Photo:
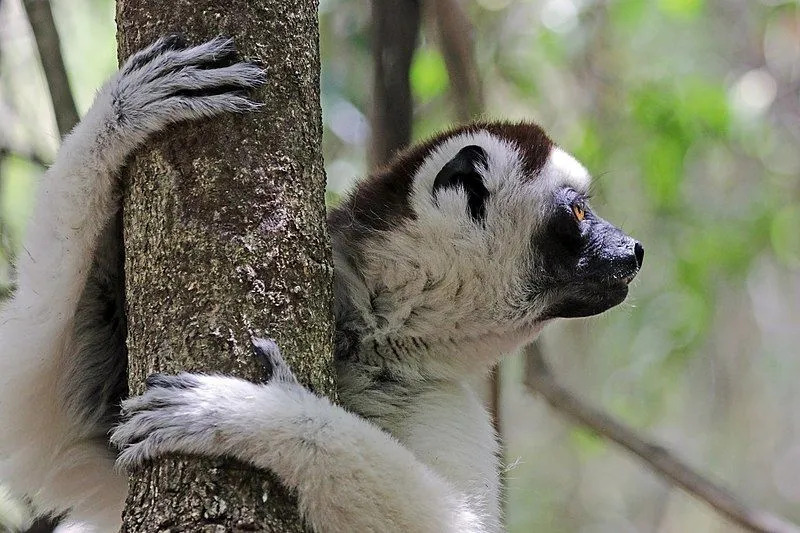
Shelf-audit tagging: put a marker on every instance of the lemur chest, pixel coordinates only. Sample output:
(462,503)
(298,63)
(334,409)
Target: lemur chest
(449,430)
(443,423)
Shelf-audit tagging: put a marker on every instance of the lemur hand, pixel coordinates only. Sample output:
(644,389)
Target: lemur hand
(200,414)
(168,82)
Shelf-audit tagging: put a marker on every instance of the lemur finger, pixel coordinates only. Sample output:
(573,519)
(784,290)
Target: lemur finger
(134,456)
(133,429)
(156,397)
(191,81)
(210,53)
(217,52)
(269,355)
(137,446)
(183,380)
(155,419)
(131,458)
(178,108)
(156,48)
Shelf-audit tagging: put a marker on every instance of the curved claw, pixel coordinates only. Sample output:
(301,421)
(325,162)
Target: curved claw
(269,355)
(181,381)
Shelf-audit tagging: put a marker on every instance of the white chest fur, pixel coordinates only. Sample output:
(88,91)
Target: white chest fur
(449,430)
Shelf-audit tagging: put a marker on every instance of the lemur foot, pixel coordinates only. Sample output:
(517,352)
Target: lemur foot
(197,413)
(168,82)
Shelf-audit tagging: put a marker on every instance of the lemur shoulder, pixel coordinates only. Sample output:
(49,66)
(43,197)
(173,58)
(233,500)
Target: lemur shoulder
(458,251)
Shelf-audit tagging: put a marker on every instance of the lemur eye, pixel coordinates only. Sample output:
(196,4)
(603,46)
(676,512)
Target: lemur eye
(579,211)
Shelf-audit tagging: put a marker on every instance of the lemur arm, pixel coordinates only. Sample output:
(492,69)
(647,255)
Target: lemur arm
(53,344)
(349,475)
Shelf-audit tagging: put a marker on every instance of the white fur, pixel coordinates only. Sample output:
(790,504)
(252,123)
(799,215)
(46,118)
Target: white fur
(349,475)
(563,170)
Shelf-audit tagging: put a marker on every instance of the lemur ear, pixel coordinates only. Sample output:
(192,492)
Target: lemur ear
(462,171)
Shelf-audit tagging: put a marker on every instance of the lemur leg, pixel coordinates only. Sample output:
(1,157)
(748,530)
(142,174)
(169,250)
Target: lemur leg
(60,350)
(349,475)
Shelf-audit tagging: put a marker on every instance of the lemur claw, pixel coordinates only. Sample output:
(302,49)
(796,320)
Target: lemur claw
(269,355)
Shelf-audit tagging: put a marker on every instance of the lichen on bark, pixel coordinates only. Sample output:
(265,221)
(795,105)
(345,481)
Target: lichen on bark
(224,225)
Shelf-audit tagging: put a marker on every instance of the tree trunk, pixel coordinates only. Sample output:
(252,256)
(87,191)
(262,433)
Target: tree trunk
(225,237)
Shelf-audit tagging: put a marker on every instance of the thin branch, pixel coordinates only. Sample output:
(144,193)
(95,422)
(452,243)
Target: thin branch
(539,379)
(395,27)
(29,155)
(40,17)
(456,41)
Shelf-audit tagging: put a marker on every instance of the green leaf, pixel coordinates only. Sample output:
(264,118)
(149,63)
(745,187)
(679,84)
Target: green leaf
(332,199)
(587,145)
(662,167)
(627,13)
(551,45)
(706,104)
(686,9)
(587,443)
(428,74)
(657,107)
(16,202)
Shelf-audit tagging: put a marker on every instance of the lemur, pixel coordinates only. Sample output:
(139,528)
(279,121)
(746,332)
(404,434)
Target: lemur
(458,251)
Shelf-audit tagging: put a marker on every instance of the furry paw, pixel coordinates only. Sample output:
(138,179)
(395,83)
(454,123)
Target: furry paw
(178,414)
(169,82)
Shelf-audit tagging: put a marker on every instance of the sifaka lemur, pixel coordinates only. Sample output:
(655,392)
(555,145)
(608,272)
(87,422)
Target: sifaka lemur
(460,250)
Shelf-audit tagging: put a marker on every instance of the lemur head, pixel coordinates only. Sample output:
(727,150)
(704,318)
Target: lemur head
(478,236)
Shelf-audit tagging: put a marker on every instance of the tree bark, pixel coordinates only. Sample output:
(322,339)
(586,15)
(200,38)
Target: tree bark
(225,237)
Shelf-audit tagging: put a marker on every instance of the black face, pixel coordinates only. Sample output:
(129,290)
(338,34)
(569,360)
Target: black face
(585,262)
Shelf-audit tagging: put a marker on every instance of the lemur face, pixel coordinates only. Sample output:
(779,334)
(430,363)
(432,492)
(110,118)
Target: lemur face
(487,229)
(584,263)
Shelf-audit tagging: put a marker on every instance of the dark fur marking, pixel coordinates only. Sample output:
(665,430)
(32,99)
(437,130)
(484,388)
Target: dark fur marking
(462,172)
(172,41)
(381,202)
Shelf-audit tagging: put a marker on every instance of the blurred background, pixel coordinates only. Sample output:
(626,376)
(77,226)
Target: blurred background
(687,112)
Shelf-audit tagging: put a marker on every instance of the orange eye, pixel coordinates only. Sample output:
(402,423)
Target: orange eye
(578,211)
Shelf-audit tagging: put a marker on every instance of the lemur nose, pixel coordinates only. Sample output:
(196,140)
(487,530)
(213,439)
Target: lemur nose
(638,250)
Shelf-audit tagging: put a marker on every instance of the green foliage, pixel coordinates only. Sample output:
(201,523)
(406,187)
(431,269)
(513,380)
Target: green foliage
(785,235)
(429,77)
(332,198)
(627,13)
(16,194)
(16,199)
(587,442)
(687,9)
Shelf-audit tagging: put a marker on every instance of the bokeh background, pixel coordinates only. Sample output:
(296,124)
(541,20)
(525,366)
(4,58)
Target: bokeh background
(688,114)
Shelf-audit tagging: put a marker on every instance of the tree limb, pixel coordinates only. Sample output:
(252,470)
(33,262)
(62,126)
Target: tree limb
(539,379)
(40,17)
(457,44)
(395,26)
(28,154)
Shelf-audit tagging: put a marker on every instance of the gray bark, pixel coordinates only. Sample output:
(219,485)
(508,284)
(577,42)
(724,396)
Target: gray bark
(225,237)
